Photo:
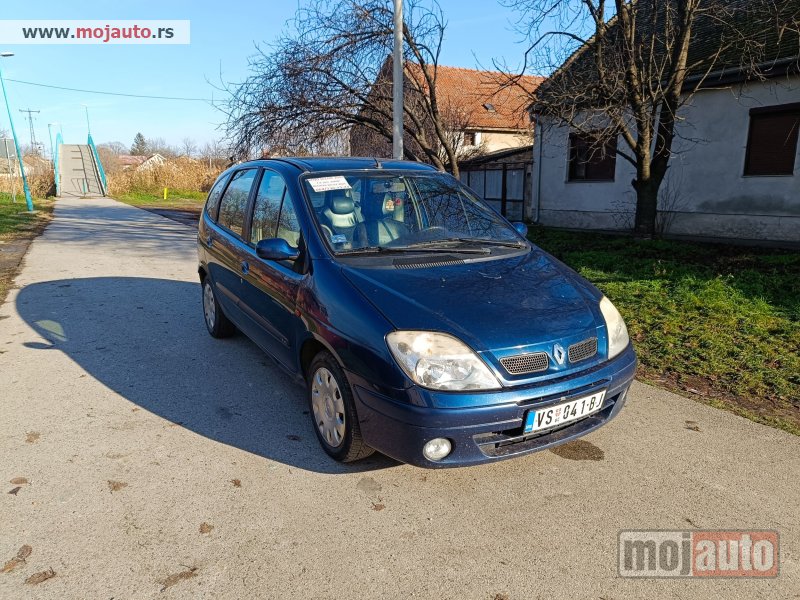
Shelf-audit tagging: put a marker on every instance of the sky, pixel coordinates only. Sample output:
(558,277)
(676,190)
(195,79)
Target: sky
(223,36)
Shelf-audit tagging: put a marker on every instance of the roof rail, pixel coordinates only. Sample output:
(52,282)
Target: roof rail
(291,161)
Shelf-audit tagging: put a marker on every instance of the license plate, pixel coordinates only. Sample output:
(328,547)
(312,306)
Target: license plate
(559,414)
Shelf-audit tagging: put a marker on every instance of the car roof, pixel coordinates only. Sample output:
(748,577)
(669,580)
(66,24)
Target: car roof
(339,163)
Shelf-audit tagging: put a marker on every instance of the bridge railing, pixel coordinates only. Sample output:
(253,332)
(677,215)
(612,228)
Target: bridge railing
(56,168)
(100,169)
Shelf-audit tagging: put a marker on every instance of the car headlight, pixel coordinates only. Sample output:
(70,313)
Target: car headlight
(439,361)
(617,332)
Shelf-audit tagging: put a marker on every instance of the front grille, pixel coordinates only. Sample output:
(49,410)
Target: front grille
(523,364)
(582,350)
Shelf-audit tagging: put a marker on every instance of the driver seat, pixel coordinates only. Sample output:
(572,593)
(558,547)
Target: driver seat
(379,226)
(339,215)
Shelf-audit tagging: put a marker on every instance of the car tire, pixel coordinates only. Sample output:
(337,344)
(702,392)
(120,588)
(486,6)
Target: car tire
(333,411)
(216,322)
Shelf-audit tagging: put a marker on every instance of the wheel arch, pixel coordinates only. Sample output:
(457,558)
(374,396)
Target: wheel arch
(310,347)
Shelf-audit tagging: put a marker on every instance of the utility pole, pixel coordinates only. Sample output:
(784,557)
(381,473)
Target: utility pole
(34,145)
(11,171)
(397,82)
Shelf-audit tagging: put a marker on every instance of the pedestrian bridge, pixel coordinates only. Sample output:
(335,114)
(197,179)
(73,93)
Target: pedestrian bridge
(78,170)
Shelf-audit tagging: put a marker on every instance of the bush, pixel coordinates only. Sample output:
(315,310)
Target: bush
(179,174)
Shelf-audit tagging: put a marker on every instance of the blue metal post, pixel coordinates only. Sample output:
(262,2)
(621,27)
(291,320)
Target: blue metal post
(28,199)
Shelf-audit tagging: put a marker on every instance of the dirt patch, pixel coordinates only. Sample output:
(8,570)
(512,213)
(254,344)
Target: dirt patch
(579,450)
(769,411)
(13,247)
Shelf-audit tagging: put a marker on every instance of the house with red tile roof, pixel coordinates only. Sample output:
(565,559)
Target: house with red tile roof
(482,113)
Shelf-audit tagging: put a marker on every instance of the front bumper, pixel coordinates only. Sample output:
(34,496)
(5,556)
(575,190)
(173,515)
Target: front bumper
(488,433)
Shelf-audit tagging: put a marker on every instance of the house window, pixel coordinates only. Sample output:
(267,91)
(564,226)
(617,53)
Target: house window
(588,162)
(469,138)
(772,140)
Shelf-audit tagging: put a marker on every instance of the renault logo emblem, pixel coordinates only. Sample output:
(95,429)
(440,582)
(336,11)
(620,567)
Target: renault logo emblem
(559,354)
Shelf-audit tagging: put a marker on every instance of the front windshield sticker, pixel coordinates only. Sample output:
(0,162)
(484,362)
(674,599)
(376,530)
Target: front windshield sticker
(324,184)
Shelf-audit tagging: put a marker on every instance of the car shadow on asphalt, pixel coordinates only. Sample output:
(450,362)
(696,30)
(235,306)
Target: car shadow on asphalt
(146,340)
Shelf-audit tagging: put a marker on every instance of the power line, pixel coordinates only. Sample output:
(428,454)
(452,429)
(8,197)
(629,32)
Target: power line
(58,87)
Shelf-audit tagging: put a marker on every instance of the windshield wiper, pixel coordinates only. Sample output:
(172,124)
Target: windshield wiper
(468,240)
(416,248)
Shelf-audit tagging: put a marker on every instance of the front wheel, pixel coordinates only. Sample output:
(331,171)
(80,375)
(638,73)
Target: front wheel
(217,323)
(333,411)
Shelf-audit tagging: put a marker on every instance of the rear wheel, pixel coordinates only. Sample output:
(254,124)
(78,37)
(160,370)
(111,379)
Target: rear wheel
(217,323)
(333,411)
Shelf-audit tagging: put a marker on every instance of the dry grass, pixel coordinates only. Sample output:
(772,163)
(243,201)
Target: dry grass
(41,186)
(178,174)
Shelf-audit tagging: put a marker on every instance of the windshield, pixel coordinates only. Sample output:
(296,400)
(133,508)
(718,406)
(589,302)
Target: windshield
(371,211)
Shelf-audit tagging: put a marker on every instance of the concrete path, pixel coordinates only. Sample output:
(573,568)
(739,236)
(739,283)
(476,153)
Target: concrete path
(157,458)
(79,176)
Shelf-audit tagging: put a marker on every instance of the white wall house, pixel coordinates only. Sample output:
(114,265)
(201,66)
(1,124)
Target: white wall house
(735,172)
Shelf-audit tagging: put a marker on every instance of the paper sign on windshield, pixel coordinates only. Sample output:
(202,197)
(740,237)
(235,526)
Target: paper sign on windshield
(324,184)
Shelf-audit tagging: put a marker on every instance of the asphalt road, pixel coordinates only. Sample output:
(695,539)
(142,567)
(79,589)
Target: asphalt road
(157,458)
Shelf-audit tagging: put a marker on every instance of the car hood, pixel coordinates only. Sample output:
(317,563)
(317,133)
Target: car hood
(503,305)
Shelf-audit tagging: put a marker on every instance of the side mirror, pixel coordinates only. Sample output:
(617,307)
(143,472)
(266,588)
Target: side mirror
(276,249)
(521,228)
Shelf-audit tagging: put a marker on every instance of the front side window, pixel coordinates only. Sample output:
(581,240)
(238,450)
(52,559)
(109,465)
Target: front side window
(288,226)
(234,202)
(403,212)
(772,140)
(267,207)
(590,159)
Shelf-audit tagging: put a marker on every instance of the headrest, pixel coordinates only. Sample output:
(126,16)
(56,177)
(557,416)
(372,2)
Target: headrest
(377,206)
(340,202)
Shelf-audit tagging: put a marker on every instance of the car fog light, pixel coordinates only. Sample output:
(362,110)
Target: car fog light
(437,449)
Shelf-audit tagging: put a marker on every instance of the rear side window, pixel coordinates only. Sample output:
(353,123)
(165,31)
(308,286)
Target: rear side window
(212,204)
(233,207)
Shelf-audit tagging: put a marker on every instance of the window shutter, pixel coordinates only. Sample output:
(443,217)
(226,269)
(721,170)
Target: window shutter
(772,143)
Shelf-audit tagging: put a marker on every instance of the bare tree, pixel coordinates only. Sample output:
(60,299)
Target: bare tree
(188,147)
(622,70)
(308,89)
(160,146)
(115,148)
(215,153)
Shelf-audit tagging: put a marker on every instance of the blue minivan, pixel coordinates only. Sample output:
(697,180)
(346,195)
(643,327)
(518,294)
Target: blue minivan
(423,324)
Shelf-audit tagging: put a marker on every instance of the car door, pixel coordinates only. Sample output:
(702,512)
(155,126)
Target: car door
(229,248)
(272,286)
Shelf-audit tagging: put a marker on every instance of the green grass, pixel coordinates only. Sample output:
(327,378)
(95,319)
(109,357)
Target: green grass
(718,323)
(16,224)
(175,199)
(14,217)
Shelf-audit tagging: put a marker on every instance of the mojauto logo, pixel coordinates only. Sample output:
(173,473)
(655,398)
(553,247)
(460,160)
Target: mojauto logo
(709,553)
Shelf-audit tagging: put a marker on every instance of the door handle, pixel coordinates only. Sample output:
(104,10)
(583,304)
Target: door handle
(245,267)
